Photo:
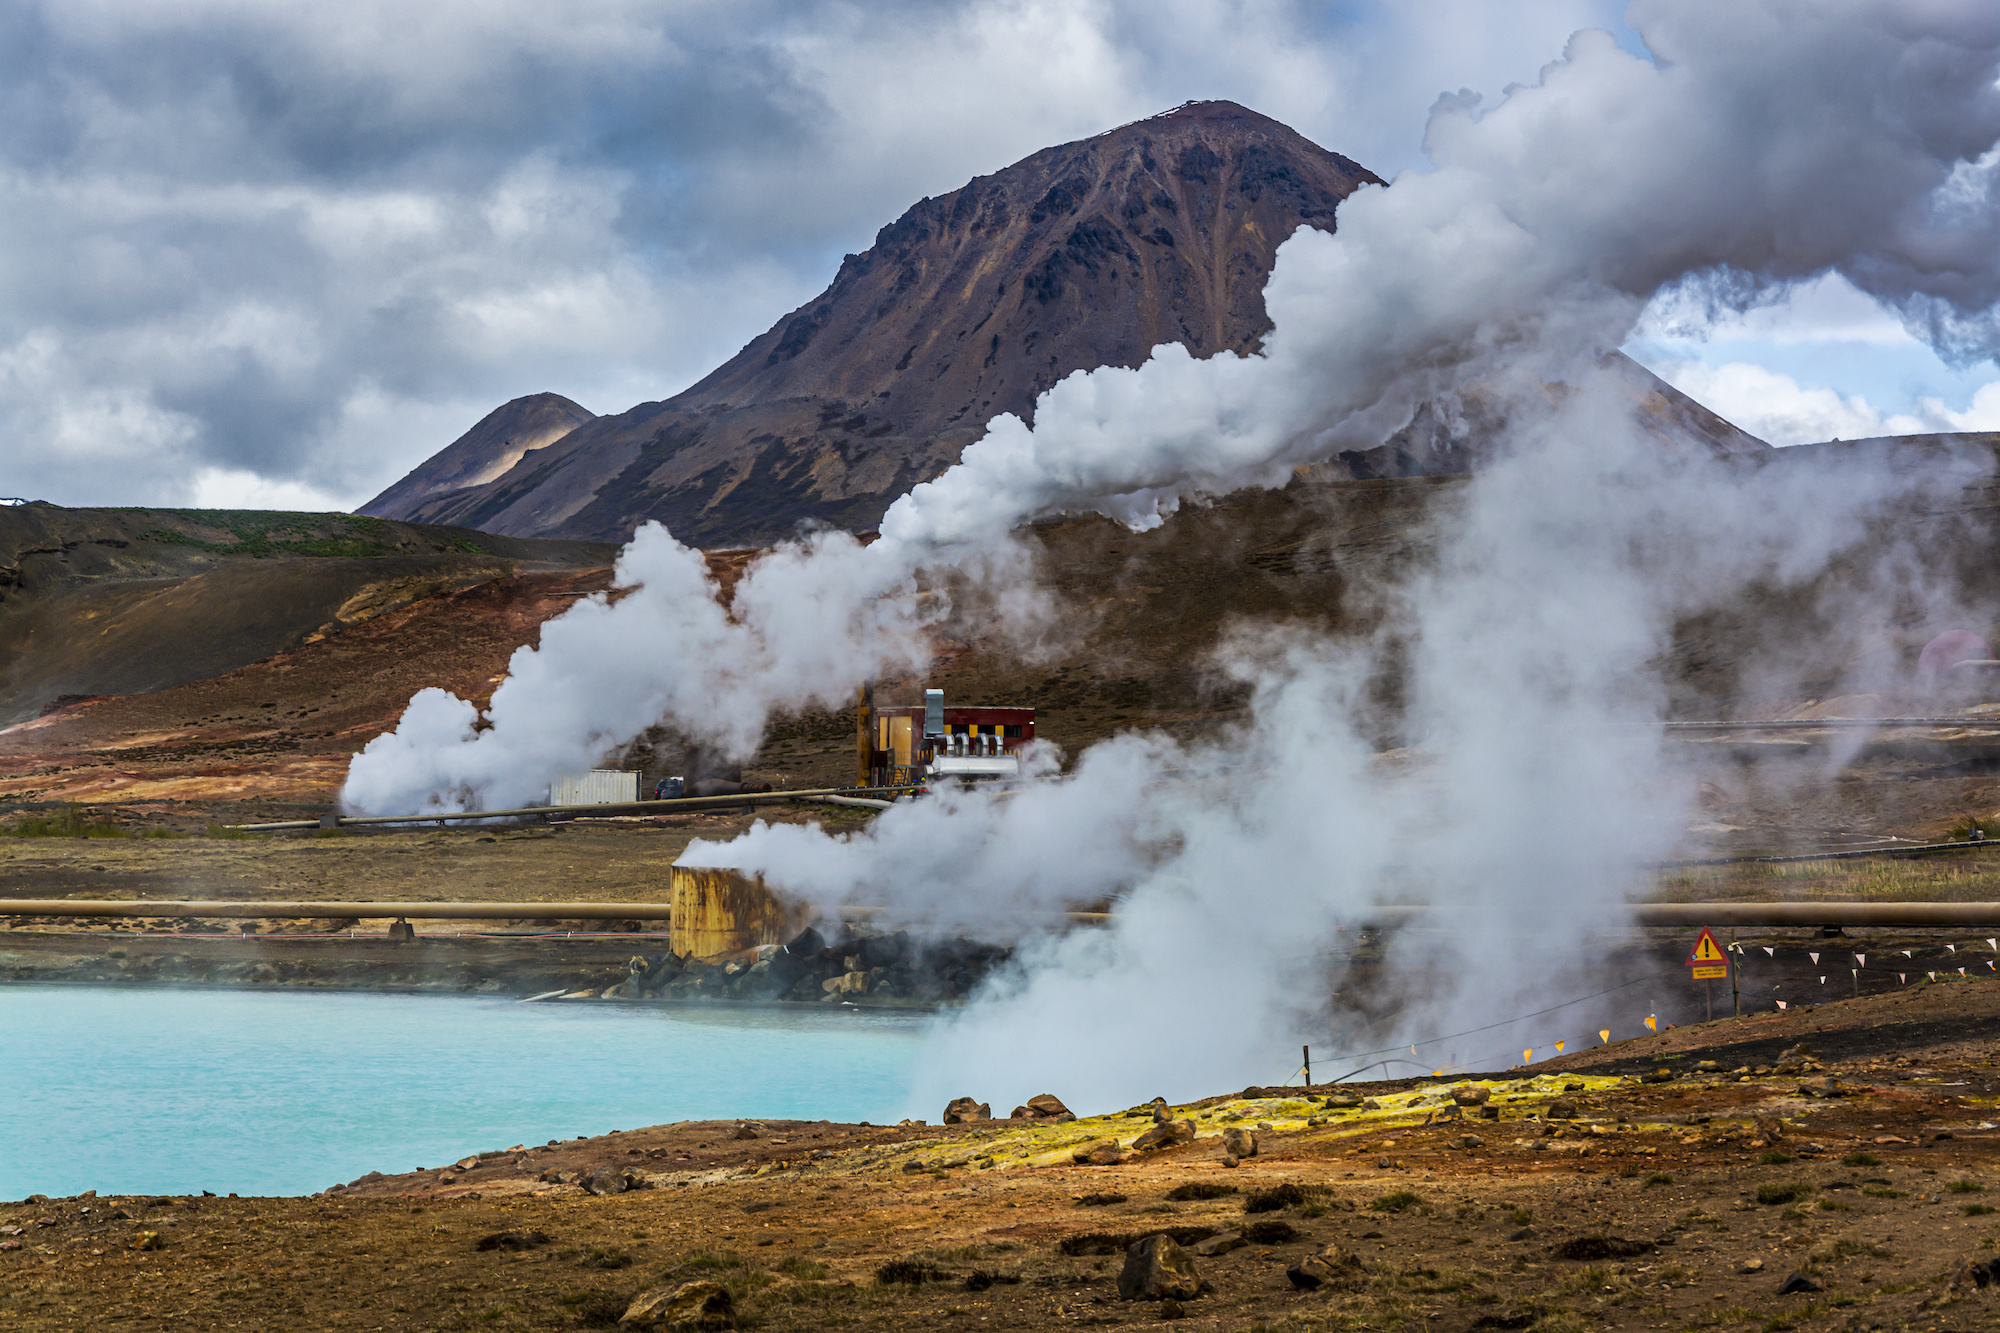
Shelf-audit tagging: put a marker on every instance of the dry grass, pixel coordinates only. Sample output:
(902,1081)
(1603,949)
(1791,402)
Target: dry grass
(1950,878)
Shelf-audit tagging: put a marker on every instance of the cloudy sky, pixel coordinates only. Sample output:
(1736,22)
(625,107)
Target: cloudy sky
(277,254)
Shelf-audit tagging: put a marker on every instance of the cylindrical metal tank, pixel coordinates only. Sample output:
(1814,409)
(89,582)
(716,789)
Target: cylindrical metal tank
(724,911)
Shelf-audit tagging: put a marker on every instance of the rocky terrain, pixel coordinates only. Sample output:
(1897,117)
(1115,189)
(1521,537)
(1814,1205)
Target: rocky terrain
(98,602)
(1820,1169)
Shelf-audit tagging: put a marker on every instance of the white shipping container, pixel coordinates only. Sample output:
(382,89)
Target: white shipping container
(600,786)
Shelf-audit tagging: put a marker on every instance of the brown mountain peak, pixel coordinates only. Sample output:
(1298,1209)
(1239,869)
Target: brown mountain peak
(970,304)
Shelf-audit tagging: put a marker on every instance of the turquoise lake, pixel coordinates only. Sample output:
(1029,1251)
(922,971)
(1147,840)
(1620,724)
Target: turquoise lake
(176,1091)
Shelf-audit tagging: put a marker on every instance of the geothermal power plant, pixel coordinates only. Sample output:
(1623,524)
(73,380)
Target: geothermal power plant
(1446,781)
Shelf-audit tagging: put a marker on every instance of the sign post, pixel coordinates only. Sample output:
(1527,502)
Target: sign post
(1708,962)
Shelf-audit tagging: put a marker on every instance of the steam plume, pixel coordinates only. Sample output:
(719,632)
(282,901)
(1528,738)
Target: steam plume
(1766,143)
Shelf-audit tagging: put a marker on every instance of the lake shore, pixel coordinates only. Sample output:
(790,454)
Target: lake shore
(1855,1176)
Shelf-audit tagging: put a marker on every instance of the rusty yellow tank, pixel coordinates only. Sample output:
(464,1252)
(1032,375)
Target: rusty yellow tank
(718,912)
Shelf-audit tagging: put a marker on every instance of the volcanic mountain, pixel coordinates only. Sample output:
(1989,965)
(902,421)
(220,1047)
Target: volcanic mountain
(969,305)
(1088,254)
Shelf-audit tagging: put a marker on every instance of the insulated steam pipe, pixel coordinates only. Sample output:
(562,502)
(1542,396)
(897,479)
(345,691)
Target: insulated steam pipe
(642,807)
(357,911)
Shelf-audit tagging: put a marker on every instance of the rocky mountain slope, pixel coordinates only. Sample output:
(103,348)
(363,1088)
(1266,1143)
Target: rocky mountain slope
(486,451)
(969,305)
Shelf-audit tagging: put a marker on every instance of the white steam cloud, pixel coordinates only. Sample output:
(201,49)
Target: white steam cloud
(1767,143)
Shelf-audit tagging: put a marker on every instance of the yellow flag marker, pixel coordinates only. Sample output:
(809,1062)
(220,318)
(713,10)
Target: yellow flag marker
(1559,1048)
(1652,1023)
(1528,1056)
(1606,1034)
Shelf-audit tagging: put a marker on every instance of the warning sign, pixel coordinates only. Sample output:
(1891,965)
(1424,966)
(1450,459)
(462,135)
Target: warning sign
(1708,960)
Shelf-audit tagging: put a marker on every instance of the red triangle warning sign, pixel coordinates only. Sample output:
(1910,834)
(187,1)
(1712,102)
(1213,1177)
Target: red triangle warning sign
(1706,950)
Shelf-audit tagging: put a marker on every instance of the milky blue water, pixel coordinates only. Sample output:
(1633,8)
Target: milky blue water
(175,1091)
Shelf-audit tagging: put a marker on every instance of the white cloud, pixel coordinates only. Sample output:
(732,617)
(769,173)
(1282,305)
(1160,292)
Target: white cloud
(220,488)
(1982,413)
(1827,309)
(1776,407)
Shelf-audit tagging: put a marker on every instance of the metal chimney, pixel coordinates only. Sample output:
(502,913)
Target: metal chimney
(933,713)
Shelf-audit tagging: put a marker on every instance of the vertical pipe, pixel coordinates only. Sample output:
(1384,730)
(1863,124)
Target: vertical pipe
(1308,1053)
(1735,988)
(864,734)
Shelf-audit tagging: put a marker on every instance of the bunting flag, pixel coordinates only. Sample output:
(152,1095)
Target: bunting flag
(1908,954)
(1961,971)
(1652,1023)
(1528,1056)
(1933,976)
(1861,958)
(1770,950)
(1993,944)
(1559,1048)
(1606,1033)
(1781,1004)
(1952,947)
(1814,957)
(1902,978)
(1822,981)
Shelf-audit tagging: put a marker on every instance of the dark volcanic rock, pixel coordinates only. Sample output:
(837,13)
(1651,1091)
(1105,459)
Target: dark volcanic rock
(969,305)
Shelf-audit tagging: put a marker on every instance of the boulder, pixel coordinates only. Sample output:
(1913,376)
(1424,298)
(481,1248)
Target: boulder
(1342,1101)
(1797,1284)
(1103,1153)
(1048,1106)
(1158,1269)
(746,1132)
(885,950)
(1562,1108)
(608,1180)
(691,1305)
(1222,1244)
(1166,1134)
(145,1240)
(965,1111)
(1239,1143)
(1330,1264)
(1467,1094)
